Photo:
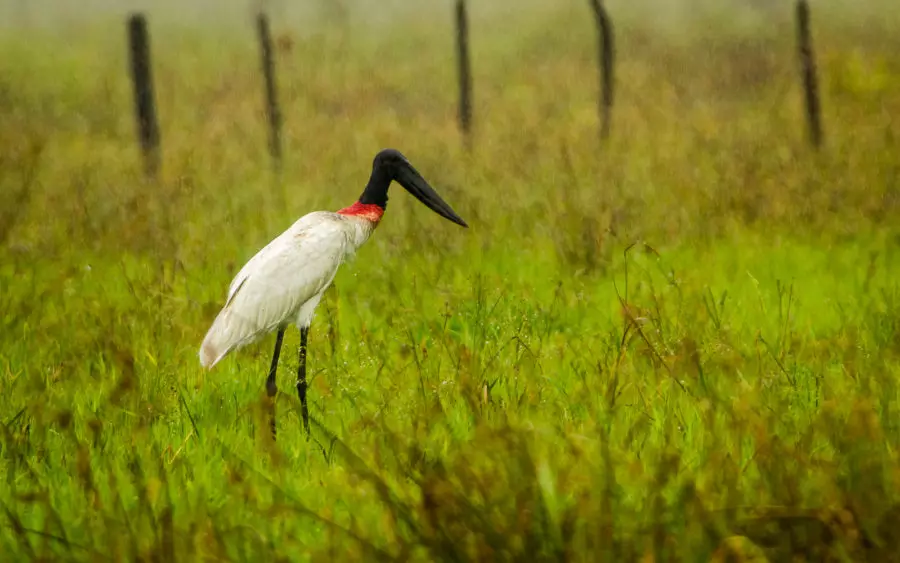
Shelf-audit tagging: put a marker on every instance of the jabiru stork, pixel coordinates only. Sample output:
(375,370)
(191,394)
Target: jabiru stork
(284,282)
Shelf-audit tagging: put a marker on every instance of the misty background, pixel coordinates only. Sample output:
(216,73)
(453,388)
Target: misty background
(306,16)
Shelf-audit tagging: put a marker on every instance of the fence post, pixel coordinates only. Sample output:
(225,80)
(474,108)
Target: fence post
(808,69)
(144,102)
(605,60)
(465,71)
(273,113)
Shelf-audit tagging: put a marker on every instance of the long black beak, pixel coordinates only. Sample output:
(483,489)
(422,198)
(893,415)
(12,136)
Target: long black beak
(409,178)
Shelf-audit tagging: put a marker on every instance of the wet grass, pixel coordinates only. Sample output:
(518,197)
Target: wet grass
(679,345)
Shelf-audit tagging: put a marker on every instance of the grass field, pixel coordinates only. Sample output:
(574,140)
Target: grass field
(677,345)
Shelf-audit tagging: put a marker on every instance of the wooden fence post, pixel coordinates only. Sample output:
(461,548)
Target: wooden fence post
(144,102)
(808,69)
(605,61)
(465,71)
(273,112)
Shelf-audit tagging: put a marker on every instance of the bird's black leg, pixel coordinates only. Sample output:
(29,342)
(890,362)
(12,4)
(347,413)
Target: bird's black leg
(271,386)
(301,379)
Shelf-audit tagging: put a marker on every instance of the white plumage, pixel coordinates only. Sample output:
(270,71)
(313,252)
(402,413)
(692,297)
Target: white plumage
(283,283)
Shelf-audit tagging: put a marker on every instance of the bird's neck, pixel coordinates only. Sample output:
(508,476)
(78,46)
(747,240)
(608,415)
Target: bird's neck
(373,201)
(368,211)
(377,188)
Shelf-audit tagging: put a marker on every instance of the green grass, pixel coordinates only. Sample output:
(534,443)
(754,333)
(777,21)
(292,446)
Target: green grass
(639,349)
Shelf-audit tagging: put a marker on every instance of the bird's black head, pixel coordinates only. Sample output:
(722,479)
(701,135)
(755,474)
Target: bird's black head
(390,164)
(389,157)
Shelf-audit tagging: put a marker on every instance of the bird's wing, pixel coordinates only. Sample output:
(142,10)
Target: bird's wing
(269,290)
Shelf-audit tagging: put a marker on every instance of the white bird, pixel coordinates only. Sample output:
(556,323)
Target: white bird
(284,282)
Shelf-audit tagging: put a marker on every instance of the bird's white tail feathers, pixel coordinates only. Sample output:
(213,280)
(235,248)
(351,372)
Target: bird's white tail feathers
(211,351)
(226,334)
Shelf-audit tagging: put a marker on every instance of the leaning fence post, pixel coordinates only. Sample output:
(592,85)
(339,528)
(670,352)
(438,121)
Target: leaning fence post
(144,102)
(605,61)
(808,69)
(273,113)
(464,69)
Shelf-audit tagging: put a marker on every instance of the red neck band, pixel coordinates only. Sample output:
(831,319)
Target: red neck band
(368,211)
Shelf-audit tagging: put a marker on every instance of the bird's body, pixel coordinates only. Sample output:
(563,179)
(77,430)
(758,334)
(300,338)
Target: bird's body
(283,283)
